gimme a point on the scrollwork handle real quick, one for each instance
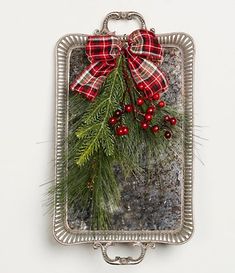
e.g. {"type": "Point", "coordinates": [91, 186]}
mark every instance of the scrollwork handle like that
{"type": "Point", "coordinates": [123, 260]}
{"type": "Point", "coordinates": [121, 15]}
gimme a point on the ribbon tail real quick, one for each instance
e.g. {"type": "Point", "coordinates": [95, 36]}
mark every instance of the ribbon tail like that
{"type": "Point", "coordinates": [146, 72]}
{"type": "Point", "coordinates": [91, 79]}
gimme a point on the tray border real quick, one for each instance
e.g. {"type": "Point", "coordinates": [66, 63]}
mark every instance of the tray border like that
{"type": "Point", "coordinates": [61, 231]}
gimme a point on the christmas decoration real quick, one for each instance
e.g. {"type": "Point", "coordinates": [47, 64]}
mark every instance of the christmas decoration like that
{"type": "Point", "coordinates": [121, 108]}
{"type": "Point", "coordinates": [123, 138]}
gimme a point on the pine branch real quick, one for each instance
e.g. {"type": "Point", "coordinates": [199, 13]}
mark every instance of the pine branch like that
{"type": "Point", "coordinates": [94, 132]}
{"type": "Point", "coordinates": [94, 149]}
{"type": "Point", "coordinates": [106, 193]}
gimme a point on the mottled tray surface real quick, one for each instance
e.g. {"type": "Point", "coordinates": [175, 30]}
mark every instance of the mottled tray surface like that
{"type": "Point", "coordinates": [152, 201]}
{"type": "Point", "coordinates": [160, 211]}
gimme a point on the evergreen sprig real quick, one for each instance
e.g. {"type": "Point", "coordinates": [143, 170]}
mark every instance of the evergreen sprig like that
{"type": "Point", "coordinates": [94, 131]}
{"type": "Point", "coordinates": [93, 149]}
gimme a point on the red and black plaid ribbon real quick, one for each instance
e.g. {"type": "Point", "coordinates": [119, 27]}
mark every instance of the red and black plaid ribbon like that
{"type": "Point", "coordinates": [143, 54]}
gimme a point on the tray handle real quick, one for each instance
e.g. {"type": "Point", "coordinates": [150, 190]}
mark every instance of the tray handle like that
{"type": "Point", "coordinates": [123, 260]}
{"type": "Point", "coordinates": [121, 15]}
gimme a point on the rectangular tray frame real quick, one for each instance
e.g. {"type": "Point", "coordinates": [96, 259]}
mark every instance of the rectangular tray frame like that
{"type": "Point", "coordinates": [62, 232]}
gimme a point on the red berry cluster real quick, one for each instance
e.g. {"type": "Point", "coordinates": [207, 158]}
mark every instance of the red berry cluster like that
{"type": "Point", "coordinates": [148, 115]}
{"type": "Point", "coordinates": [121, 130]}
{"type": "Point", "coordinates": [152, 103]}
{"type": "Point", "coordinates": [172, 120]}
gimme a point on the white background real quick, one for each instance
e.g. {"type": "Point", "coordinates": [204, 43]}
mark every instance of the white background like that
{"type": "Point", "coordinates": [29, 31]}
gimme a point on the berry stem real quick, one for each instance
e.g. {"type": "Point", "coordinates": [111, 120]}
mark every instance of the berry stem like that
{"type": "Point", "coordinates": [128, 84]}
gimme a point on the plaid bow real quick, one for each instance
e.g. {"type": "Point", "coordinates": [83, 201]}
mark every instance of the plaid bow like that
{"type": "Point", "coordinates": [142, 52]}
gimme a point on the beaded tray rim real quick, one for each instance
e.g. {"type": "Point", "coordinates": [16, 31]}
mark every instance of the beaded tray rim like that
{"type": "Point", "coordinates": [61, 230]}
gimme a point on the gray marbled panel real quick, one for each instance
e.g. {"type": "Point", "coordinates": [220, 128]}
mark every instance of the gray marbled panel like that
{"type": "Point", "coordinates": [154, 200]}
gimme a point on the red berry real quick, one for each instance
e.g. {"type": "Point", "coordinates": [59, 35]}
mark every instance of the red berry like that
{"type": "Point", "coordinates": [150, 110]}
{"type": "Point", "coordinates": [140, 101]}
{"type": "Point", "coordinates": [156, 96]}
{"type": "Point", "coordinates": [173, 121]}
{"type": "Point", "coordinates": [117, 113]}
{"type": "Point", "coordinates": [122, 130]}
{"type": "Point", "coordinates": [129, 108]}
{"type": "Point", "coordinates": [113, 120]}
{"type": "Point", "coordinates": [166, 118]}
{"type": "Point", "coordinates": [141, 86]}
{"type": "Point", "coordinates": [144, 125]}
{"type": "Point", "coordinates": [155, 128]}
{"type": "Point", "coordinates": [148, 117]}
{"type": "Point", "coordinates": [125, 130]}
{"type": "Point", "coordinates": [167, 134]}
{"type": "Point", "coordinates": [119, 131]}
{"type": "Point", "coordinates": [161, 104]}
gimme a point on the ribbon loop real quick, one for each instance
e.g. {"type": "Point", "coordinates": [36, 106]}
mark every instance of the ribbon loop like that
{"type": "Point", "coordinates": [102, 48]}
{"type": "Point", "coordinates": [145, 44]}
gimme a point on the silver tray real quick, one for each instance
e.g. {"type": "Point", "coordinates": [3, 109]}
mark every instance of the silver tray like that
{"type": "Point", "coordinates": [64, 233]}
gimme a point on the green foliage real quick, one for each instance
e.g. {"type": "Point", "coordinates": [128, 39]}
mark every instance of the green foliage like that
{"type": "Point", "coordinates": [93, 149]}
{"type": "Point", "coordinates": [94, 131]}
{"type": "Point", "coordinates": [130, 149]}
{"type": "Point", "coordinates": [105, 194]}
{"type": "Point", "coordinates": [90, 179]}
{"type": "Point", "coordinates": [94, 187]}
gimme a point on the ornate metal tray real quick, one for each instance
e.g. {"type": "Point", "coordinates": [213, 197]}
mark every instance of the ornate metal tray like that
{"type": "Point", "coordinates": [160, 212]}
